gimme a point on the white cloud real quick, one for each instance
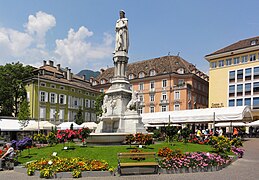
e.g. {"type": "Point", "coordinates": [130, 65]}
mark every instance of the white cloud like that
{"type": "Point", "coordinates": [76, 50]}
{"type": "Point", "coordinates": [38, 26]}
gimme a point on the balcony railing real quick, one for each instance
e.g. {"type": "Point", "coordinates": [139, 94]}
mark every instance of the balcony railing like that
{"type": "Point", "coordinates": [164, 101]}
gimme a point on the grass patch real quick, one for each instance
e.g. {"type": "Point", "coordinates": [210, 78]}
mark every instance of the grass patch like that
{"type": "Point", "coordinates": [107, 153]}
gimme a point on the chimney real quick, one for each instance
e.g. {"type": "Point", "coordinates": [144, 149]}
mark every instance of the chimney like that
{"type": "Point", "coordinates": [102, 70]}
{"type": "Point", "coordinates": [84, 78]}
{"type": "Point", "coordinates": [51, 63]}
{"type": "Point", "coordinates": [58, 67]}
{"type": "Point", "coordinates": [91, 79]}
{"type": "Point", "coordinates": [44, 63]}
{"type": "Point", "coordinates": [69, 75]}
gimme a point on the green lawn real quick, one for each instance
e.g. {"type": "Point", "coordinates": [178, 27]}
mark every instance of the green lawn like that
{"type": "Point", "coordinates": [108, 153]}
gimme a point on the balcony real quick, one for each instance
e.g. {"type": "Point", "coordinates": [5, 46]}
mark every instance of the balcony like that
{"type": "Point", "coordinates": [164, 101]}
{"type": "Point", "coordinates": [177, 101]}
{"type": "Point", "coordinates": [152, 90]}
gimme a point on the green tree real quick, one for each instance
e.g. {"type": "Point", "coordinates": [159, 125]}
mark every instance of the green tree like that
{"type": "Point", "coordinates": [79, 116]}
{"type": "Point", "coordinates": [24, 113]}
{"type": "Point", "coordinates": [12, 91]}
{"type": "Point", "coordinates": [98, 105]}
{"type": "Point", "coordinates": [170, 132]}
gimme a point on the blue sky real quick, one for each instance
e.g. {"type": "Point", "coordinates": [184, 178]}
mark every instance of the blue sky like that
{"type": "Point", "coordinates": [80, 33]}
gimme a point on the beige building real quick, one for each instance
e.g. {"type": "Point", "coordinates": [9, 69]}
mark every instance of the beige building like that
{"type": "Point", "coordinates": [234, 75]}
{"type": "Point", "coordinates": [166, 83]}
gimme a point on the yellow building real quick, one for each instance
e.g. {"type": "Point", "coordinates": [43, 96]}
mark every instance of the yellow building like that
{"type": "Point", "coordinates": [167, 83]}
{"type": "Point", "coordinates": [234, 75]}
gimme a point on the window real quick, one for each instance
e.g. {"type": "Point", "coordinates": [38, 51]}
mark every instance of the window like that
{"type": "Point", "coordinates": [181, 82]}
{"type": "Point", "coordinates": [43, 96]}
{"type": "Point", "coordinates": [213, 64]}
{"type": "Point", "coordinates": [236, 60]}
{"type": "Point", "coordinates": [221, 63]}
{"type": "Point", "coordinates": [177, 95]}
{"type": "Point", "coordinates": [177, 107]}
{"type": "Point", "coordinates": [87, 103]}
{"type": "Point", "coordinates": [256, 103]}
{"type": "Point", "coordinates": [152, 97]}
{"type": "Point", "coordinates": [164, 96]}
{"type": "Point", "coordinates": [62, 87]}
{"type": "Point", "coordinates": [62, 99]}
{"type": "Point", "coordinates": [102, 81]}
{"type": "Point", "coordinates": [248, 89]}
{"type": "Point", "coordinates": [43, 84]}
{"type": "Point", "coordinates": [141, 75]}
{"type": "Point", "coordinates": [239, 89]}
{"type": "Point", "coordinates": [231, 76]}
{"type": "Point", "coordinates": [248, 72]}
{"type": "Point", "coordinates": [73, 90]}
{"type": "Point", "coordinates": [244, 59]}
{"type": "Point", "coordinates": [239, 102]}
{"type": "Point", "coordinates": [248, 101]}
{"type": "Point", "coordinates": [256, 88]}
{"type": "Point", "coordinates": [52, 114]}
{"type": "Point", "coordinates": [141, 98]}
{"type": "Point", "coordinates": [256, 73]}
{"type": "Point", "coordinates": [180, 71]}
{"type": "Point", "coordinates": [141, 86]}
{"type": "Point", "coordinates": [140, 110]}
{"type": "Point", "coordinates": [152, 73]}
{"type": "Point", "coordinates": [189, 95]}
{"type": "Point", "coordinates": [152, 85]}
{"type": "Point", "coordinates": [53, 86]}
{"type": "Point", "coordinates": [164, 108]}
{"type": "Point", "coordinates": [253, 42]}
{"type": "Point", "coordinates": [240, 75]}
{"type": "Point", "coordinates": [131, 76]}
{"type": "Point", "coordinates": [152, 109]}
{"type": "Point", "coordinates": [101, 90]}
{"type": "Point", "coordinates": [228, 62]}
{"type": "Point", "coordinates": [189, 105]}
{"type": "Point", "coordinates": [53, 97]}
{"type": "Point", "coordinates": [231, 103]}
{"type": "Point", "coordinates": [42, 113]}
{"type": "Point", "coordinates": [252, 57]}
{"type": "Point", "coordinates": [231, 90]}
{"type": "Point", "coordinates": [164, 83]}
{"type": "Point", "coordinates": [92, 103]}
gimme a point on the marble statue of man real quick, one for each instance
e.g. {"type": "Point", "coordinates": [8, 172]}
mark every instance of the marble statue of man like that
{"type": "Point", "coordinates": [122, 34]}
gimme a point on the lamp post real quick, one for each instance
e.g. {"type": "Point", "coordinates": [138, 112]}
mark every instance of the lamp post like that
{"type": "Point", "coordinates": [38, 102]}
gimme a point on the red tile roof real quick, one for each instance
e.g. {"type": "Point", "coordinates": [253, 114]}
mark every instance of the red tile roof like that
{"type": "Point", "coordinates": [238, 45]}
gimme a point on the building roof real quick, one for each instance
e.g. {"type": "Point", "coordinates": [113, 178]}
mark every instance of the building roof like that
{"type": "Point", "coordinates": [238, 45]}
{"type": "Point", "coordinates": [161, 65]}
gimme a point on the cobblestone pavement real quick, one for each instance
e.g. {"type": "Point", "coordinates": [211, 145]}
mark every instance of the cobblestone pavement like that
{"type": "Point", "coordinates": [246, 168]}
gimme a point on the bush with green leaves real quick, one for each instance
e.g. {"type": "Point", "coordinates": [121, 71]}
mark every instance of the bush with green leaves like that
{"type": "Point", "coordinates": [185, 133]}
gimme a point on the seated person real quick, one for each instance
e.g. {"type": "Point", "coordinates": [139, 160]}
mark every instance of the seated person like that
{"type": "Point", "coordinates": [9, 154]}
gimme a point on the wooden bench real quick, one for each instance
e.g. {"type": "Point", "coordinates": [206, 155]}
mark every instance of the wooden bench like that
{"type": "Point", "coordinates": [138, 160]}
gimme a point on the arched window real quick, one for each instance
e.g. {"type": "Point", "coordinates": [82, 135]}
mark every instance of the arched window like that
{"type": "Point", "coordinates": [131, 76]}
{"type": "Point", "coordinates": [141, 75]}
{"type": "Point", "coordinates": [180, 71]}
{"type": "Point", "coordinates": [102, 81]}
{"type": "Point", "coordinates": [152, 72]}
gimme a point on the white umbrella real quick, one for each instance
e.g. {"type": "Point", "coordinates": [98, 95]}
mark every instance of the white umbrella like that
{"type": "Point", "coordinates": [228, 124]}
{"type": "Point", "coordinates": [90, 125]}
{"type": "Point", "coordinates": [67, 125]}
{"type": "Point", "coordinates": [254, 123]}
{"type": "Point", "coordinates": [42, 125]}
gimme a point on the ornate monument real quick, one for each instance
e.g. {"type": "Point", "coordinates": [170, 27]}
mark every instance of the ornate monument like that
{"type": "Point", "coordinates": [120, 104]}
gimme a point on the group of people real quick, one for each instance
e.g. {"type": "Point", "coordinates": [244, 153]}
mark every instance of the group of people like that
{"type": "Point", "coordinates": [7, 153]}
{"type": "Point", "coordinates": [203, 134]}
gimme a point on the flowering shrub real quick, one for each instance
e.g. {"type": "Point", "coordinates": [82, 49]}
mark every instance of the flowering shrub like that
{"type": "Point", "coordinates": [221, 144]}
{"type": "Point", "coordinates": [40, 138]}
{"type": "Point", "coordinates": [76, 173]}
{"type": "Point", "coordinates": [238, 151]}
{"type": "Point", "coordinates": [164, 152]}
{"type": "Point", "coordinates": [193, 160]}
{"type": "Point", "coordinates": [51, 138]}
{"type": "Point", "coordinates": [197, 141]}
{"type": "Point", "coordinates": [83, 134]}
{"type": "Point", "coordinates": [139, 138]}
{"type": "Point", "coordinates": [237, 142]}
{"type": "Point", "coordinates": [57, 164]}
{"type": "Point", "coordinates": [136, 150]}
{"type": "Point", "coordinates": [66, 135]}
{"type": "Point", "coordinates": [22, 144]}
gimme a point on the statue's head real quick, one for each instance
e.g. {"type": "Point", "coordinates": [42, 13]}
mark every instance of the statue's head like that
{"type": "Point", "coordinates": [122, 14]}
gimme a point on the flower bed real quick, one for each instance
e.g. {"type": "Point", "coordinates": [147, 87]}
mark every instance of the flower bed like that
{"type": "Point", "coordinates": [197, 161]}
{"type": "Point", "coordinates": [50, 167]}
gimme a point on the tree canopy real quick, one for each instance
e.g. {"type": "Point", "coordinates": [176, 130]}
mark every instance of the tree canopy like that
{"type": "Point", "coordinates": [12, 90]}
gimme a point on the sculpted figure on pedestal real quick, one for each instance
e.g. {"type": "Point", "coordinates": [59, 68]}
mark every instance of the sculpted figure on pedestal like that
{"type": "Point", "coordinates": [122, 34]}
